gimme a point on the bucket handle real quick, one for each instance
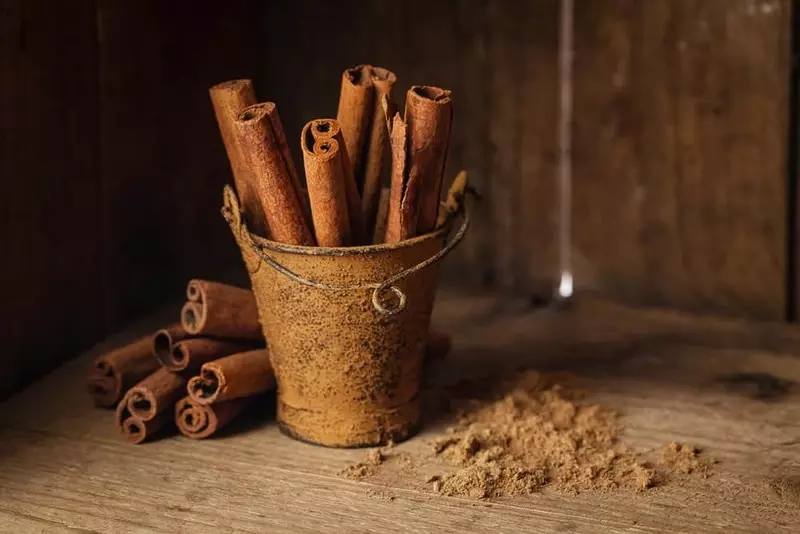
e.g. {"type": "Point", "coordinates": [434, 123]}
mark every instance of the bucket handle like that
{"type": "Point", "coordinates": [232, 214]}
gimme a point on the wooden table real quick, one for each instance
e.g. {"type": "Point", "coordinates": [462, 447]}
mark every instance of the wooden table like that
{"type": "Point", "coordinates": [727, 386]}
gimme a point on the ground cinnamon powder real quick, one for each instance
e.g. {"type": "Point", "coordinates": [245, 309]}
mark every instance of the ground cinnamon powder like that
{"type": "Point", "coordinates": [524, 432]}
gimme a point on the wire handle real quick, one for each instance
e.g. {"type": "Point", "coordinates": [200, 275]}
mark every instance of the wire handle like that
{"type": "Point", "coordinates": [233, 215]}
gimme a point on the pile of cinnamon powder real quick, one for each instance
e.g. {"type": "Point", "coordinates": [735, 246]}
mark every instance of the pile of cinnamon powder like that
{"type": "Point", "coordinates": [531, 433]}
{"type": "Point", "coordinates": [526, 432]}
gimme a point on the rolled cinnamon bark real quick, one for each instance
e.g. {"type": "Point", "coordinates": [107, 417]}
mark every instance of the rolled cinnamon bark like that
{"type": "Point", "coordinates": [401, 222]}
{"type": "Point", "coordinates": [155, 394]}
{"type": "Point", "coordinates": [220, 310]}
{"type": "Point", "coordinates": [116, 372]}
{"type": "Point", "coordinates": [331, 129]}
{"type": "Point", "coordinates": [189, 355]}
{"type": "Point", "coordinates": [229, 99]}
{"type": "Point", "coordinates": [380, 217]}
{"type": "Point", "coordinates": [326, 188]}
{"type": "Point", "coordinates": [278, 192]}
{"type": "Point", "coordinates": [356, 102]}
{"type": "Point", "coordinates": [199, 421]}
{"type": "Point", "coordinates": [439, 345]}
{"type": "Point", "coordinates": [164, 340]}
{"type": "Point", "coordinates": [428, 116]}
{"type": "Point", "coordinates": [135, 430]}
{"type": "Point", "coordinates": [239, 375]}
{"type": "Point", "coordinates": [368, 174]}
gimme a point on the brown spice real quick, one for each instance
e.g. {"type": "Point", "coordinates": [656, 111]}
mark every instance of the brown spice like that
{"type": "Point", "coordinates": [220, 310]}
{"type": "Point", "coordinates": [233, 377]}
{"type": "Point", "coordinates": [366, 467]}
{"type": "Point", "coordinates": [685, 459]}
{"type": "Point", "coordinates": [428, 116]}
{"type": "Point", "coordinates": [200, 421]}
{"type": "Point", "coordinates": [189, 355]}
{"type": "Point", "coordinates": [229, 99]}
{"type": "Point", "coordinates": [401, 221]}
{"type": "Point", "coordinates": [381, 495]}
{"type": "Point", "coordinates": [164, 341]}
{"type": "Point", "coordinates": [329, 129]}
{"type": "Point", "coordinates": [369, 174]}
{"type": "Point", "coordinates": [527, 432]}
{"type": "Point", "coordinates": [114, 373]}
{"type": "Point", "coordinates": [326, 187]}
{"type": "Point", "coordinates": [531, 434]}
{"type": "Point", "coordinates": [259, 136]}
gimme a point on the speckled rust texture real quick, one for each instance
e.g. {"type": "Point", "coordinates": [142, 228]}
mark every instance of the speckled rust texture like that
{"type": "Point", "coordinates": [347, 375]}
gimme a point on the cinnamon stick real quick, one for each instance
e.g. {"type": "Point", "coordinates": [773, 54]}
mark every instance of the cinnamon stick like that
{"type": "Point", "coordinates": [368, 174]}
{"type": "Point", "coordinates": [380, 217]}
{"type": "Point", "coordinates": [278, 191]}
{"type": "Point", "coordinates": [354, 114]}
{"type": "Point", "coordinates": [164, 340]}
{"type": "Point", "coordinates": [220, 310]}
{"type": "Point", "coordinates": [189, 355]}
{"type": "Point", "coordinates": [155, 394]}
{"type": "Point", "coordinates": [331, 129]}
{"type": "Point", "coordinates": [135, 430]}
{"type": "Point", "coordinates": [117, 371]}
{"type": "Point", "coordinates": [325, 177]}
{"type": "Point", "coordinates": [200, 421]}
{"type": "Point", "coordinates": [401, 221]}
{"type": "Point", "coordinates": [428, 116]}
{"type": "Point", "coordinates": [232, 377]}
{"type": "Point", "coordinates": [229, 99]}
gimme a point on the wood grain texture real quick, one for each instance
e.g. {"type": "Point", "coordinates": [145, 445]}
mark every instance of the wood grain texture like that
{"type": "Point", "coordinates": [679, 180]}
{"type": "Point", "coordinates": [50, 206]}
{"type": "Point", "coordinates": [667, 373]}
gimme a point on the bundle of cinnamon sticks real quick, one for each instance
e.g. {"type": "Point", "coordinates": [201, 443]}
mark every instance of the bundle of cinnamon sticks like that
{"type": "Point", "coordinates": [343, 202]}
{"type": "Point", "coordinates": [198, 374]}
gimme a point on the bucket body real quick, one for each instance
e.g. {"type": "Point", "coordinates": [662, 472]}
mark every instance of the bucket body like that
{"type": "Point", "coordinates": [348, 375]}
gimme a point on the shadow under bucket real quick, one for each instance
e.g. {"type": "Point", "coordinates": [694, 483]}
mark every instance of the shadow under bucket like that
{"type": "Point", "coordinates": [347, 329]}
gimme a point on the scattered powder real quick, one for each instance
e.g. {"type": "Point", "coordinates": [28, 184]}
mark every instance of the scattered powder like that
{"type": "Point", "coordinates": [787, 488]}
{"type": "Point", "coordinates": [517, 435]}
{"type": "Point", "coordinates": [380, 495]}
{"type": "Point", "coordinates": [365, 468]}
{"type": "Point", "coordinates": [532, 433]}
{"type": "Point", "coordinates": [685, 459]}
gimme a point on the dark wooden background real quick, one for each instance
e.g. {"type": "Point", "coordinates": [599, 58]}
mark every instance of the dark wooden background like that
{"type": "Point", "coordinates": [112, 165]}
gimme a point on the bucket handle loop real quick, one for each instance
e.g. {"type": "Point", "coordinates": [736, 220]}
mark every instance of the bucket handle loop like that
{"type": "Point", "coordinates": [232, 214]}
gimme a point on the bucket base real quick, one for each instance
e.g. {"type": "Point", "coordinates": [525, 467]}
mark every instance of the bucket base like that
{"type": "Point", "coordinates": [361, 430]}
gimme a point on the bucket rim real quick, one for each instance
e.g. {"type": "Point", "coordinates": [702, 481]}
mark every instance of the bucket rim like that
{"type": "Point", "coordinates": [360, 250]}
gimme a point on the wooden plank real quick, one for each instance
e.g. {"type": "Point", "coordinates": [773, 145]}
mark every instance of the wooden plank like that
{"type": "Point", "coordinates": [679, 193]}
{"type": "Point", "coordinates": [503, 51]}
{"type": "Point", "coordinates": [163, 161]}
{"type": "Point", "coordinates": [664, 371]}
{"type": "Point", "coordinates": [52, 188]}
{"type": "Point", "coordinates": [469, 143]}
{"type": "Point", "coordinates": [537, 204]}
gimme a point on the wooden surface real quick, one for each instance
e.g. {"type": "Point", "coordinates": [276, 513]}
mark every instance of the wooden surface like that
{"type": "Point", "coordinates": [680, 134]}
{"type": "Point", "coordinates": [670, 375]}
{"type": "Point", "coordinates": [111, 162]}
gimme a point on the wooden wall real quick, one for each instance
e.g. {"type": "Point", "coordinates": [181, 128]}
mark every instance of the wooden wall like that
{"type": "Point", "coordinates": [111, 164]}
{"type": "Point", "coordinates": [680, 128]}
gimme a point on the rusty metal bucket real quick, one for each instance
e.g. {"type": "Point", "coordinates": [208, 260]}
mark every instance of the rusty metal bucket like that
{"type": "Point", "coordinates": [346, 329]}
